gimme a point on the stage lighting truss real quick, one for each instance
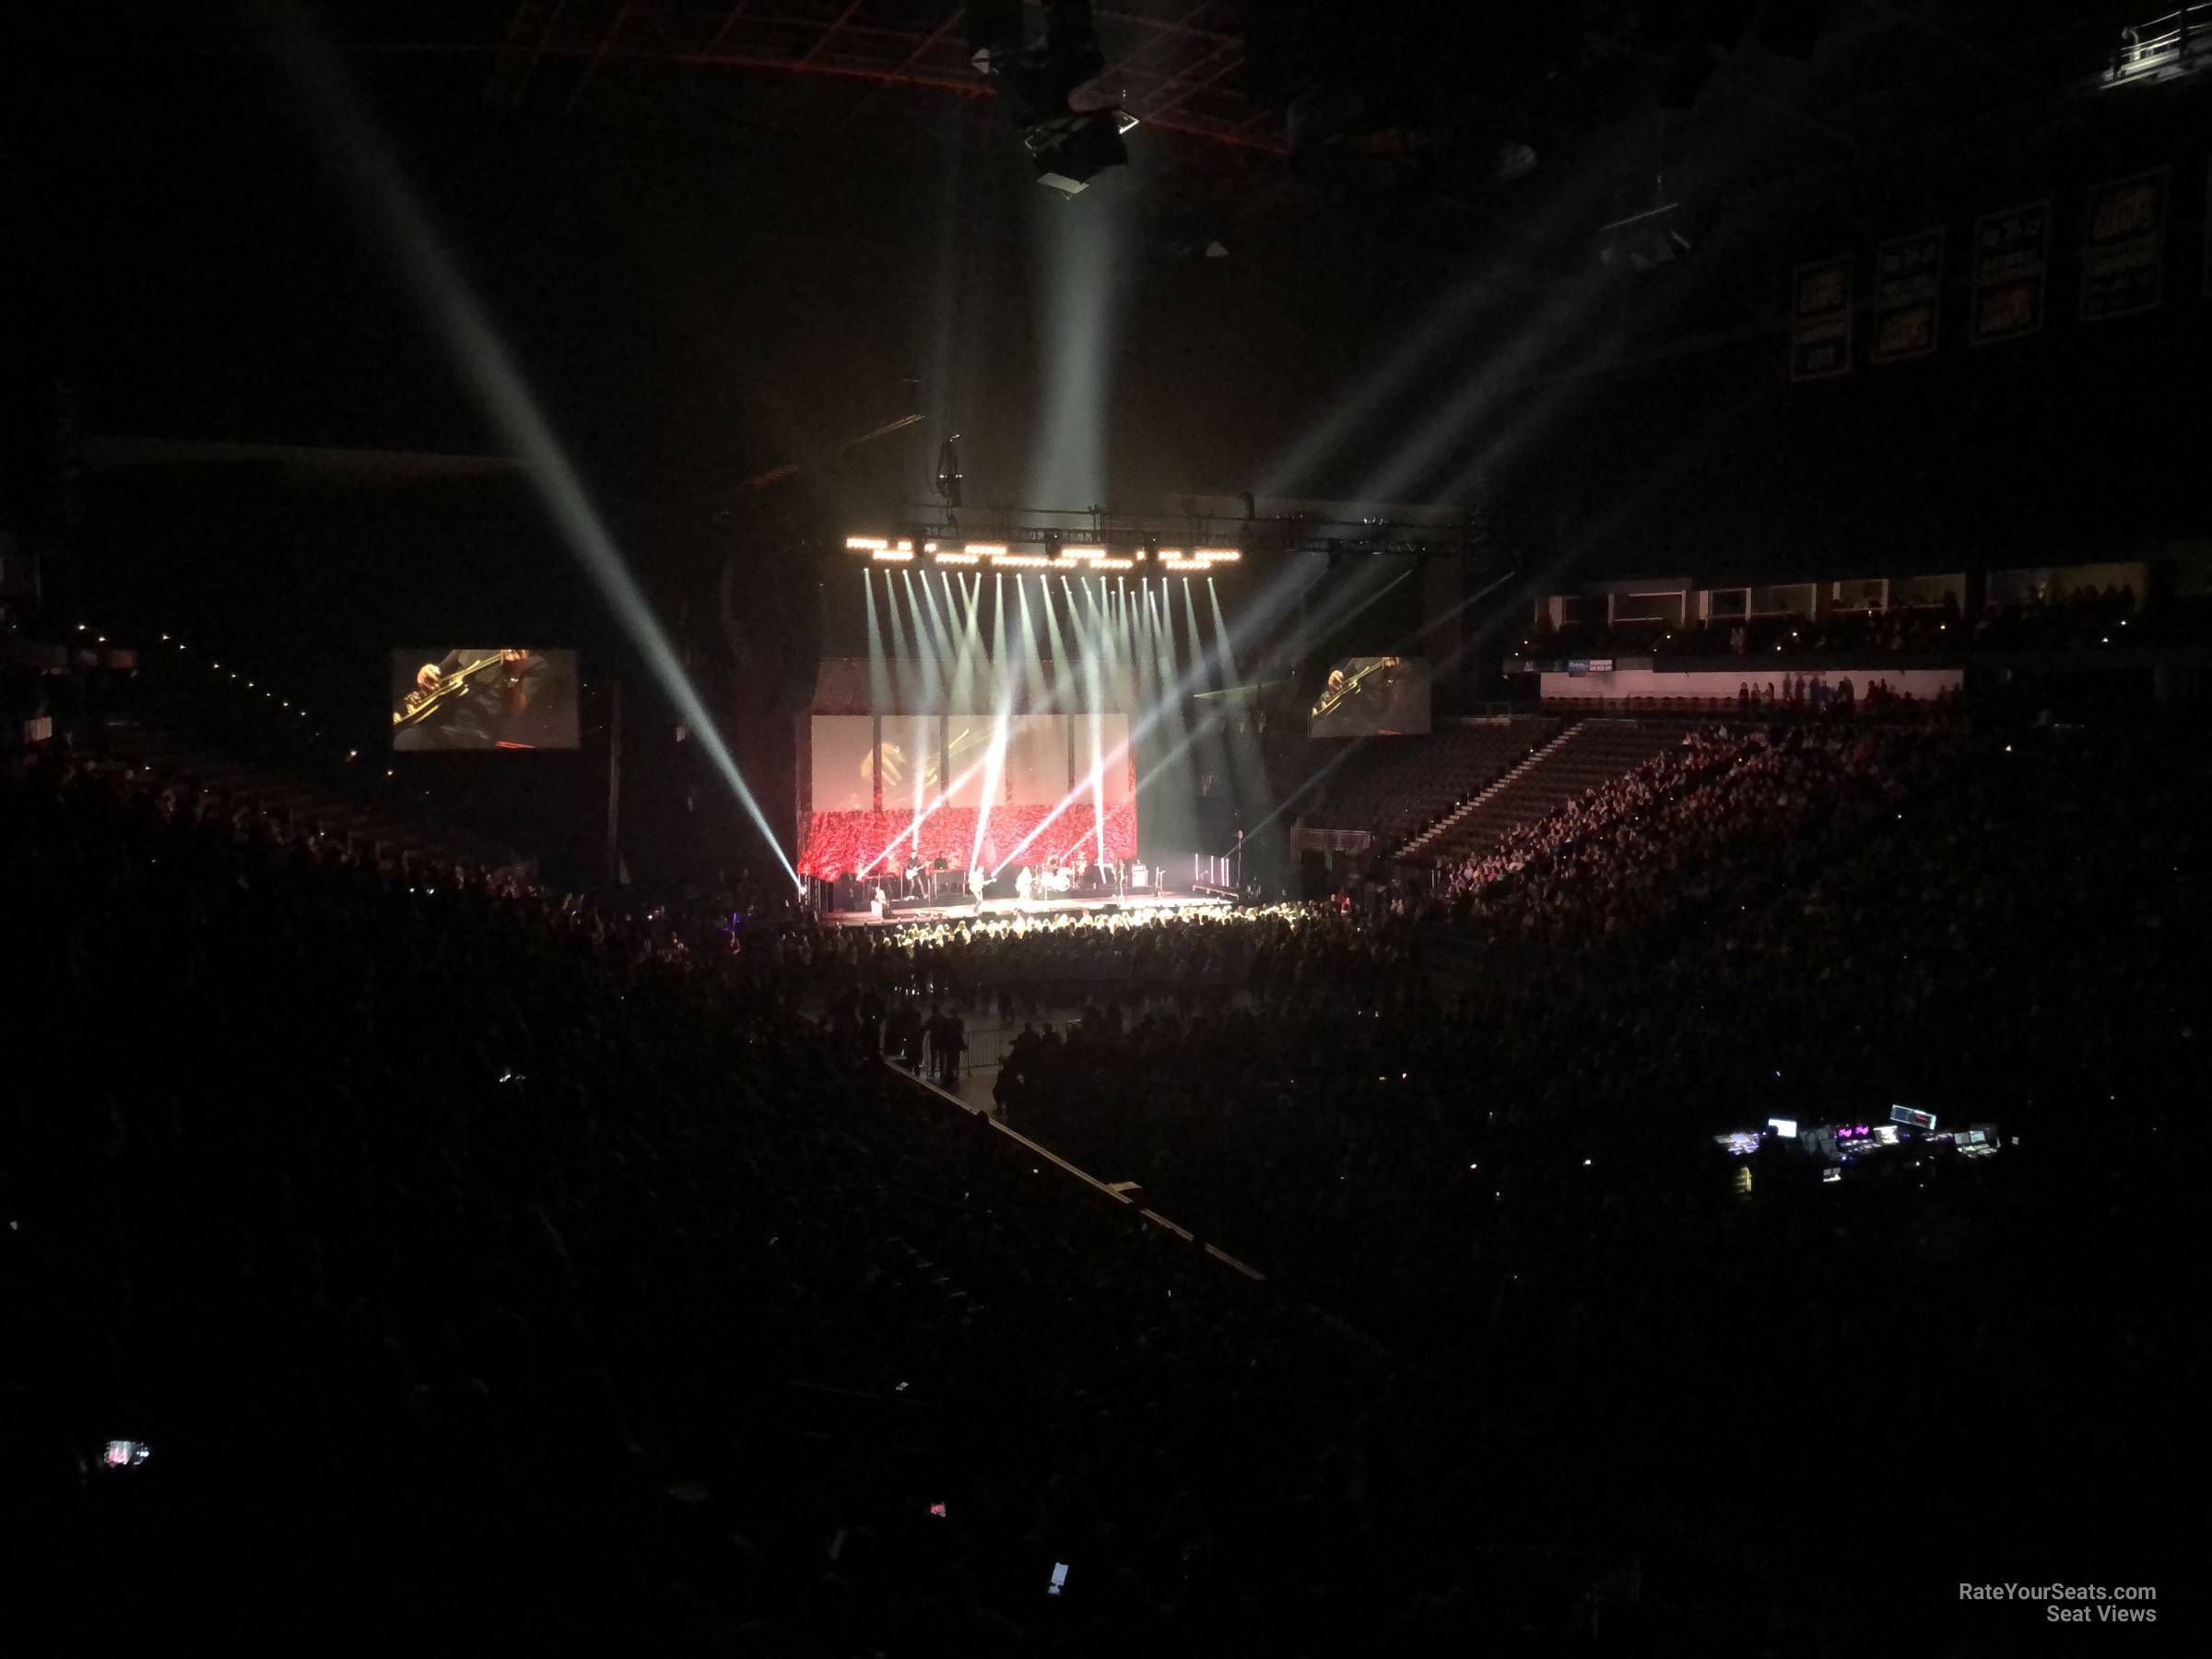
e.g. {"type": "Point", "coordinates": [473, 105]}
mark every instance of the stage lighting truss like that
{"type": "Point", "coordinates": [1197, 560]}
{"type": "Point", "coordinates": [1080, 557]}
{"type": "Point", "coordinates": [876, 547]}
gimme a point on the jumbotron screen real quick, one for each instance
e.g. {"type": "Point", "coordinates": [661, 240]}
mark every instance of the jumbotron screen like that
{"type": "Point", "coordinates": [1373, 696]}
{"type": "Point", "coordinates": [483, 696]}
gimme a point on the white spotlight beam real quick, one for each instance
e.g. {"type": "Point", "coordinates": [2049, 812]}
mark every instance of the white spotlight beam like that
{"type": "Point", "coordinates": [913, 830]}
{"type": "Point", "coordinates": [496, 382]}
{"type": "Point", "coordinates": [1002, 710]}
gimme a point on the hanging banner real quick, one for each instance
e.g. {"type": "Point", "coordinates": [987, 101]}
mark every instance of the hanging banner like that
{"type": "Point", "coordinates": [2012, 264]}
{"type": "Point", "coordinates": [1820, 320]}
{"type": "Point", "coordinates": [2124, 255]}
{"type": "Point", "coordinates": [1907, 297]}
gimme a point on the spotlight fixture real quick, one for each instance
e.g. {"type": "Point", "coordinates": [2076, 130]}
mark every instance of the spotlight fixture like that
{"type": "Point", "coordinates": [1070, 151]}
{"type": "Point", "coordinates": [1067, 147]}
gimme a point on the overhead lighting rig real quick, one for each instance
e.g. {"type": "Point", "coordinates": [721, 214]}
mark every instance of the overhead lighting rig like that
{"type": "Point", "coordinates": [1067, 147]}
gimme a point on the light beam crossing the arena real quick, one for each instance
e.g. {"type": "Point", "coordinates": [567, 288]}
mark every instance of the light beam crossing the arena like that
{"type": "Point", "coordinates": [1245, 759]}
{"type": "Point", "coordinates": [497, 383]}
{"type": "Point", "coordinates": [1002, 715]}
{"type": "Point", "coordinates": [880, 667]}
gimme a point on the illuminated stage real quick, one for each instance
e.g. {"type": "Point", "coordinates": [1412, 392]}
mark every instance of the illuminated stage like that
{"type": "Point", "coordinates": [1147, 905]}
{"type": "Point", "coordinates": [980, 706]}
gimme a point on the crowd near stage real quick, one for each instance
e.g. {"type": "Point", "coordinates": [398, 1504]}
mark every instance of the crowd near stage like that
{"type": "Point", "coordinates": [922, 896]}
{"type": "Point", "coordinates": [1155, 902]}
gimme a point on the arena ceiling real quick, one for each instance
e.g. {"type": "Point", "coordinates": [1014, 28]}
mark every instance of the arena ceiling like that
{"type": "Point", "coordinates": [1252, 109]}
{"type": "Point", "coordinates": [1226, 70]}
{"type": "Point", "coordinates": [1177, 65]}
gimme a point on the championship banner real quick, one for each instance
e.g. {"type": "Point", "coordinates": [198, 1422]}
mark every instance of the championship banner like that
{"type": "Point", "coordinates": [2124, 255]}
{"type": "Point", "coordinates": [2012, 264]}
{"type": "Point", "coordinates": [1820, 320]}
{"type": "Point", "coordinates": [1907, 297]}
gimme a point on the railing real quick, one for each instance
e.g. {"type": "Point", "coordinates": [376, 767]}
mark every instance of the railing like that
{"type": "Point", "coordinates": [1310, 840]}
{"type": "Point", "coordinates": [2160, 44]}
{"type": "Point", "coordinates": [1220, 871]}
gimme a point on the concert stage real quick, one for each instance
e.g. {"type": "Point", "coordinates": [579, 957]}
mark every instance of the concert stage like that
{"type": "Point", "coordinates": [1145, 904]}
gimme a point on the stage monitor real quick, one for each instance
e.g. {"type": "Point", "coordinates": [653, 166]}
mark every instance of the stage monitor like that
{"type": "Point", "coordinates": [1373, 696]}
{"type": "Point", "coordinates": [483, 696]}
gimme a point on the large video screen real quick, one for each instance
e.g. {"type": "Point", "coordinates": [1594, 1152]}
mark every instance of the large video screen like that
{"type": "Point", "coordinates": [1373, 696]}
{"type": "Point", "coordinates": [910, 747]}
{"type": "Point", "coordinates": [483, 696]}
{"type": "Point", "coordinates": [1035, 766]}
{"type": "Point", "coordinates": [1034, 772]}
{"type": "Point", "coordinates": [845, 764]}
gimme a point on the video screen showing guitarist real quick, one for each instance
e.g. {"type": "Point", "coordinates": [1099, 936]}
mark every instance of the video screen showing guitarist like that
{"type": "Point", "coordinates": [1384, 696]}
{"type": "Point", "coordinates": [483, 697]}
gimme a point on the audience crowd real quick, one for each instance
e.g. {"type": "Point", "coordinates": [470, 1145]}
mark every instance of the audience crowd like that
{"type": "Point", "coordinates": [477, 1264]}
{"type": "Point", "coordinates": [1482, 1127]}
{"type": "Point", "coordinates": [477, 1268]}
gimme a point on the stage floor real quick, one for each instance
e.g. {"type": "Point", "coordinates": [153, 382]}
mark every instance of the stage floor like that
{"type": "Point", "coordinates": [1002, 910]}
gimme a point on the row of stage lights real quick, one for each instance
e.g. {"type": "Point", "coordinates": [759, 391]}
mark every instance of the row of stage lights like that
{"type": "Point", "coordinates": [999, 556]}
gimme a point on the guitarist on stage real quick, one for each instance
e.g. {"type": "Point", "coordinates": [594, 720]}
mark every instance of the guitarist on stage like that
{"type": "Point", "coordinates": [487, 709]}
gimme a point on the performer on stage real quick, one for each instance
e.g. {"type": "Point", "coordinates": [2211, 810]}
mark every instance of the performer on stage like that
{"type": "Point", "coordinates": [977, 882]}
{"type": "Point", "coordinates": [876, 905]}
{"type": "Point", "coordinates": [1024, 884]}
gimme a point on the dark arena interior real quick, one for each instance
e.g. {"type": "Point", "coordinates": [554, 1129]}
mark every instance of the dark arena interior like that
{"type": "Point", "coordinates": [1327, 829]}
